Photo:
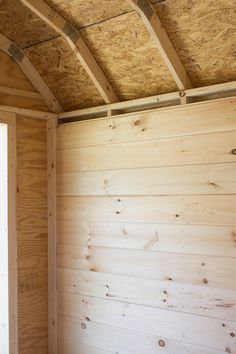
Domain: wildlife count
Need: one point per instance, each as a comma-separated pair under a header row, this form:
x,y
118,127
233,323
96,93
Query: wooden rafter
x,y
77,44
27,67
154,26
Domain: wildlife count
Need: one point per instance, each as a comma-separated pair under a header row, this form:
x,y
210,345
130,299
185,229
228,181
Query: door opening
x,y
4,260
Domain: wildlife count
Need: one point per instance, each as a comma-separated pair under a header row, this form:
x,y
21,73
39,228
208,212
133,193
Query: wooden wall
x,y
31,139
147,232
32,235
15,88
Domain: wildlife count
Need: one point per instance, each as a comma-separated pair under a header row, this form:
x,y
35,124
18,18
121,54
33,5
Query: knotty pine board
x,y
190,239
146,217
186,150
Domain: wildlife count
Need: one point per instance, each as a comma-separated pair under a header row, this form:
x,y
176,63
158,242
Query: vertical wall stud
x,y
52,241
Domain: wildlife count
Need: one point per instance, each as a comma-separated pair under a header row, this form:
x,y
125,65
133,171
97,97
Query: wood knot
x,y
137,122
232,334
205,281
161,343
83,325
233,152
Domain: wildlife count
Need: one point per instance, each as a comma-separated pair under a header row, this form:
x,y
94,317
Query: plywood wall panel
x,y
11,76
146,232
32,235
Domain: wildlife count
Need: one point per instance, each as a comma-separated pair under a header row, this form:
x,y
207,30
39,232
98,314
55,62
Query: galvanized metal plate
x,y
71,32
16,52
146,8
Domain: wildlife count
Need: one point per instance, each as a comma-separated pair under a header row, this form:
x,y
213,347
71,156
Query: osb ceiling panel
x,y
64,75
124,50
21,26
83,13
204,34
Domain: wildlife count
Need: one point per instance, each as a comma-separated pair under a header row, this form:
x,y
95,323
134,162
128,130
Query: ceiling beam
x,y
32,74
154,26
77,44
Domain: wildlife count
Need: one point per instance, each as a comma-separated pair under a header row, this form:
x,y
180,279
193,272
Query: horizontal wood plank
x,y
122,341
205,117
191,269
209,210
196,179
187,298
194,239
198,149
158,322
66,346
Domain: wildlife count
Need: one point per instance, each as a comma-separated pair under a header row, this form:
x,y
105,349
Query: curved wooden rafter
x,y
158,33
11,49
77,44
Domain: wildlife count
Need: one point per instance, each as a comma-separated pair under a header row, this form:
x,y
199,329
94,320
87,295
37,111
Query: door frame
x,y
10,119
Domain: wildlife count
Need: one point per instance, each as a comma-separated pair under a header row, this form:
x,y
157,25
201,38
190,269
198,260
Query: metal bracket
x,y
71,32
16,52
146,8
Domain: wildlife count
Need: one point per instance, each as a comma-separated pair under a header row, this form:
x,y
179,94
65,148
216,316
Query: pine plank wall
x,y
31,140
146,232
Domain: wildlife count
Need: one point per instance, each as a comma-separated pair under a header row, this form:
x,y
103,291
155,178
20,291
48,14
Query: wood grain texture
x,y
175,180
11,76
187,150
189,239
154,321
191,269
146,232
167,294
207,210
32,235
122,340
198,118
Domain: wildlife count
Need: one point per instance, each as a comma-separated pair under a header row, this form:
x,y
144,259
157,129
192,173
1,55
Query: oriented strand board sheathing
x,y
83,13
63,73
125,51
204,35
21,26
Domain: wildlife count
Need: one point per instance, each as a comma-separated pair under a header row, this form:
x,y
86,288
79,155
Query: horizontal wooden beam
x,y
172,98
28,113
27,67
20,93
77,44
158,33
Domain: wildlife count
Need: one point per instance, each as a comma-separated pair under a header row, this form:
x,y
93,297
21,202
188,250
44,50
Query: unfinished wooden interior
x,y
121,120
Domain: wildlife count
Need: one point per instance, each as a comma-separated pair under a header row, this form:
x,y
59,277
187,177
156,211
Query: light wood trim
x,y
154,26
28,113
21,93
52,239
77,44
27,67
10,120
172,98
